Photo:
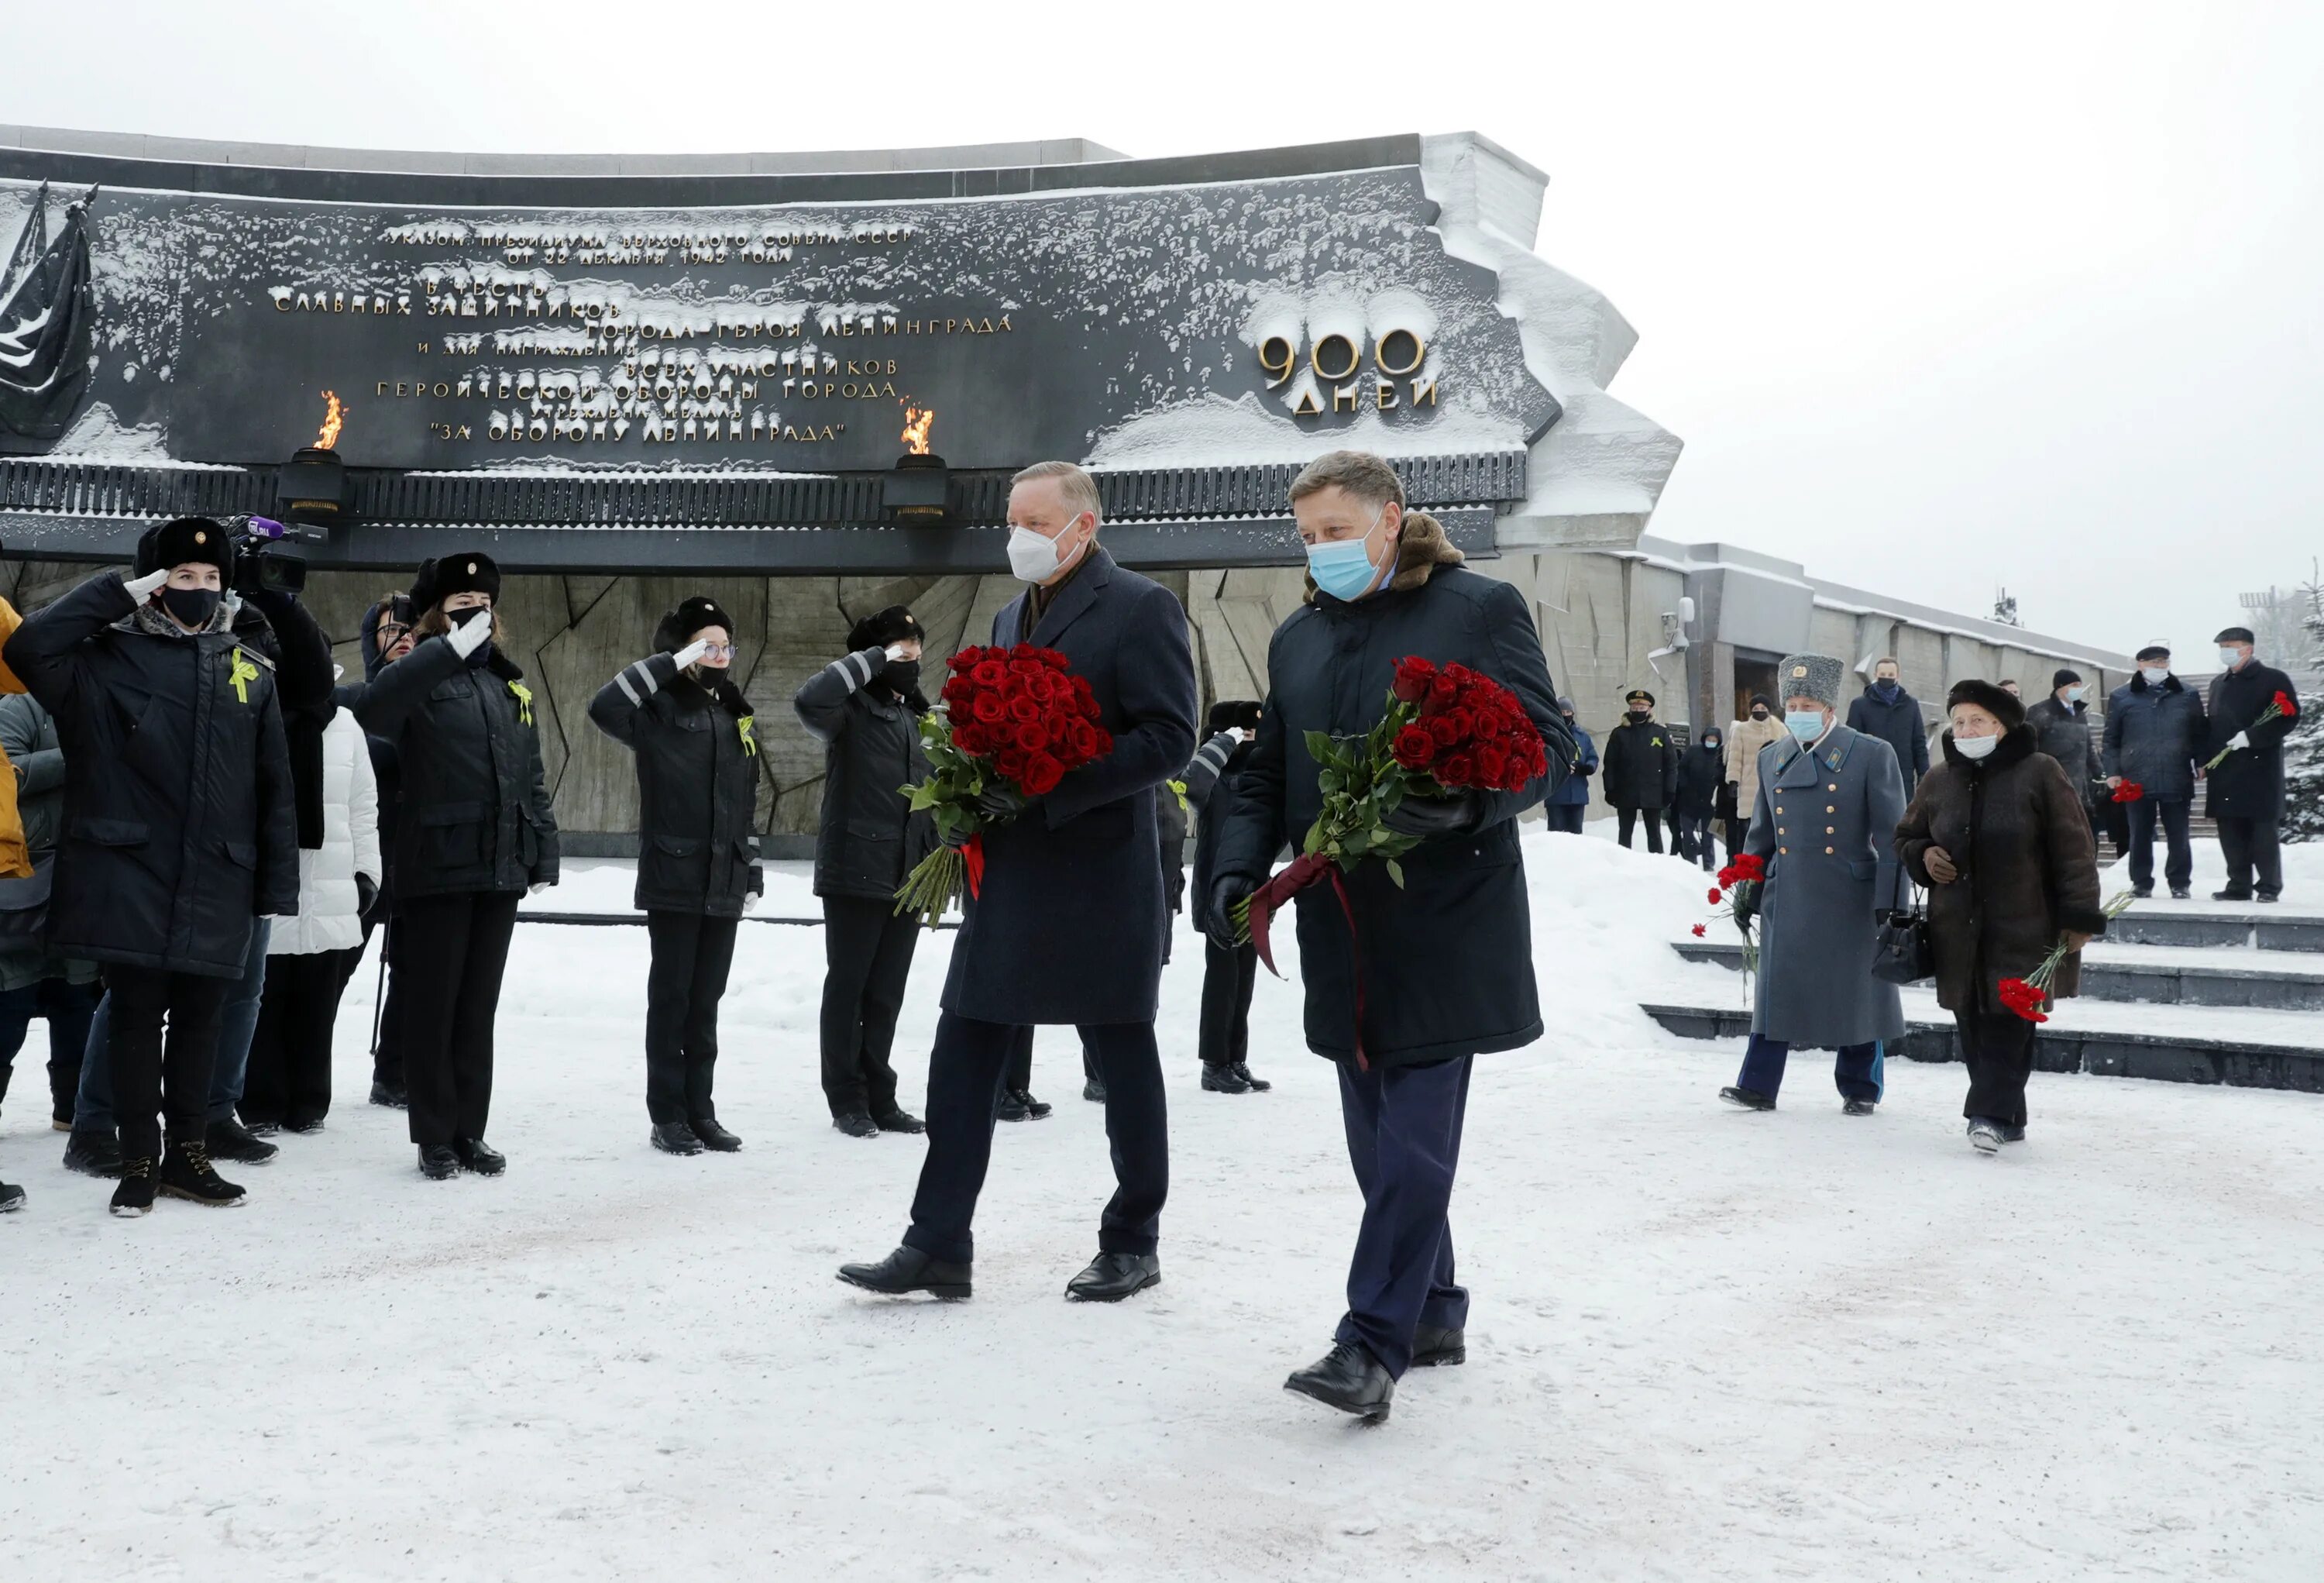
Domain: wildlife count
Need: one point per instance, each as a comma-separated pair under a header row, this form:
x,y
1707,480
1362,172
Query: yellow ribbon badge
x,y
242,675
1179,789
523,701
750,743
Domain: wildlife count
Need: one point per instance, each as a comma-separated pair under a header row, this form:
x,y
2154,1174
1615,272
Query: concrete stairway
x,y
2202,994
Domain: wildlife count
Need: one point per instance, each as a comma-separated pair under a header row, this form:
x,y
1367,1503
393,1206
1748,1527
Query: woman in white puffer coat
x,y
310,956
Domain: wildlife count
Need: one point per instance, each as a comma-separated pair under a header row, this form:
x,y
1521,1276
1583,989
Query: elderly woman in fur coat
x,y
1996,833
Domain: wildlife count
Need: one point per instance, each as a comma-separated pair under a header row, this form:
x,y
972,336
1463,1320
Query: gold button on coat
x,y
1826,851
1829,831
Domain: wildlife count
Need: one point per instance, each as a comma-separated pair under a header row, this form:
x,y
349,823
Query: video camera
x,y
262,563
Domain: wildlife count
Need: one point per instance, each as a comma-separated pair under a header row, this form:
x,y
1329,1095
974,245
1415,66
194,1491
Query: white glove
x,y
894,651
141,588
750,902
537,886
2238,740
690,653
469,634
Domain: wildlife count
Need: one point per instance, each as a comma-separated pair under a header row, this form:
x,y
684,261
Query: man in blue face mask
x,y
1829,801
1447,957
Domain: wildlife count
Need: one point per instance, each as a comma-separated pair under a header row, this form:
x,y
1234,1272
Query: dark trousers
x,y
1227,980
68,1008
289,1077
2179,868
867,955
152,1079
1695,840
2111,820
1999,1050
1628,816
387,1046
1858,1070
691,955
1565,817
966,1069
2250,846
450,957
1677,831
1404,1140
1737,830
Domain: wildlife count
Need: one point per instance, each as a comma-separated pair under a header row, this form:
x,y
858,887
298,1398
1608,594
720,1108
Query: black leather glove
x,y
366,894
1745,901
956,837
1219,921
1430,818
999,805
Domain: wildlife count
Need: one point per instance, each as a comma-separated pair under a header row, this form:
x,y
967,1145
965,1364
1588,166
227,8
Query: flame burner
x,y
918,491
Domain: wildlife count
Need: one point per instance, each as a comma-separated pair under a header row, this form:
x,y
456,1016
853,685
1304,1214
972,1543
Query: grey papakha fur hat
x,y
1815,676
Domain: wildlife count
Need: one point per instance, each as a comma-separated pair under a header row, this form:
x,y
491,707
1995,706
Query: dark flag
x,y
48,313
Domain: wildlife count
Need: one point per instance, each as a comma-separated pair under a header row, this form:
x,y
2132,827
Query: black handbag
x,y
25,903
1902,952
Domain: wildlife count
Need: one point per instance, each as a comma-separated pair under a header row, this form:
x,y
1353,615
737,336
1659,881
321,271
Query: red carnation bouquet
x,y
2128,791
1446,731
2279,708
1745,870
1018,719
2027,996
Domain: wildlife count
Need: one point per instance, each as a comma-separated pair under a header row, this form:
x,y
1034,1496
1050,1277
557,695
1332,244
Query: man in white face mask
x,y
1068,924
2155,737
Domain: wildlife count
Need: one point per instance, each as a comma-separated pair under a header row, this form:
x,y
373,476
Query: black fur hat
x,y
1234,714
693,613
891,625
2002,706
471,572
183,539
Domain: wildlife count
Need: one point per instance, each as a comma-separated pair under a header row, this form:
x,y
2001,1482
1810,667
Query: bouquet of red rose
x,y
2027,995
2279,708
1007,719
1445,731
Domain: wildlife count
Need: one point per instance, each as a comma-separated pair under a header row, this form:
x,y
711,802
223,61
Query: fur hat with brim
x,y
2002,706
1234,714
181,540
1809,676
470,572
1637,694
891,625
677,628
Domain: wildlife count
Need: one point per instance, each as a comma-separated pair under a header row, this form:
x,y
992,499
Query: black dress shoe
x,y
1434,1346
1859,1107
899,1121
231,1142
388,1098
2140,893
93,1153
1094,1091
1257,1084
856,1124
438,1162
716,1138
1111,1277
1034,1109
1010,1108
479,1156
908,1270
2268,898
306,1124
2231,895
1220,1078
1349,1378
674,1137
1746,1099
2182,894
11,1196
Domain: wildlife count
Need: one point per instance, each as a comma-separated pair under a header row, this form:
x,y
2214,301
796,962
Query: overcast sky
x,y
1940,297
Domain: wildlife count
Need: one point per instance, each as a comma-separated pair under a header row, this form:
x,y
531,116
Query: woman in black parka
x,y
473,833
179,833
690,727
865,708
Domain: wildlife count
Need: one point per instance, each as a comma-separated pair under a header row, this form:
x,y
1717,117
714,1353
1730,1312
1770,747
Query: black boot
x,y
1010,1108
186,1174
93,1153
231,1141
1746,1099
899,1121
908,1270
1093,1090
1858,1106
674,1137
438,1162
1220,1078
716,1138
856,1124
1435,1347
1111,1277
134,1196
390,1096
1257,1086
305,1123
479,1156
12,1197
1349,1378
1034,1109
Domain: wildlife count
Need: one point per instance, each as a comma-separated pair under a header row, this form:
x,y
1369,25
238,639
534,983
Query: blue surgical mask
x,y
1807,725
1342,567
2075,695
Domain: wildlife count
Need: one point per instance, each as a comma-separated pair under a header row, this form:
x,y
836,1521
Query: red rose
x,y
1082,736
1415,747
1029,735
964,661
1011,761
1442,694
1493,764
1042,773
1105,741
987,708
972,739
1444,728
957,690
1023,652
1413,675
1022,708
1459,770
989,673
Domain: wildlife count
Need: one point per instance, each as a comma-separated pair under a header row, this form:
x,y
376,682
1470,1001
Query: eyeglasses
x,y
390,635
718,651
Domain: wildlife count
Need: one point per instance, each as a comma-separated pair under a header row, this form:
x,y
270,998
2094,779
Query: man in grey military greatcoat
x,y
1825,823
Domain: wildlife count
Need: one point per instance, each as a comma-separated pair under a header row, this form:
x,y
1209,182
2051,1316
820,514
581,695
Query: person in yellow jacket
x,y
14,863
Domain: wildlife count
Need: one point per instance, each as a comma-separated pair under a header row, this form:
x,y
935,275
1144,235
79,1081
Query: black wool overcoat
x,y
867,838
697,757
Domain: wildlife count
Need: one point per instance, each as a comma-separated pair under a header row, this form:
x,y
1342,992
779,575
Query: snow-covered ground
x,y
1705,1344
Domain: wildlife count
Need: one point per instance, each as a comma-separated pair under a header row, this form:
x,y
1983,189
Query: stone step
x,y
2187,923
2243,979
2162,1056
